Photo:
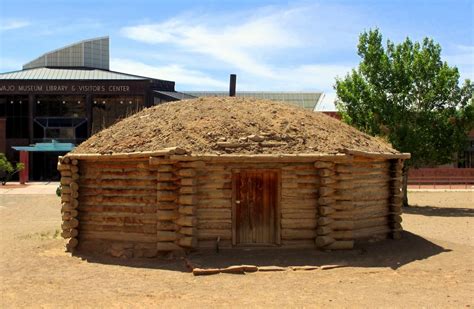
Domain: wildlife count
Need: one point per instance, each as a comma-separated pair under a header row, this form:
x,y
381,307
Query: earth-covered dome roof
x,y
217,125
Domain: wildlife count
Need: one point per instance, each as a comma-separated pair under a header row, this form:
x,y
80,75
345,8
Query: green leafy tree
x,y
7,170
406,94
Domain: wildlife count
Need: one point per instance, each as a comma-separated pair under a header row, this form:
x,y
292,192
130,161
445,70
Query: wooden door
x,y
255,207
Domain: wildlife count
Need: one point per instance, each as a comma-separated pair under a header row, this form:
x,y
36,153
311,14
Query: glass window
x,y
61,106
106,110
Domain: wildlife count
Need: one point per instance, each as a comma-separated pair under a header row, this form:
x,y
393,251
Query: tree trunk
x,y
405,186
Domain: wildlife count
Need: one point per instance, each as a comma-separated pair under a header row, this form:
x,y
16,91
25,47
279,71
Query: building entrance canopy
x,y
53,146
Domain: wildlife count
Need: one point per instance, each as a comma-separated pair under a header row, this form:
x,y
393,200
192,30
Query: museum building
x,y
61,98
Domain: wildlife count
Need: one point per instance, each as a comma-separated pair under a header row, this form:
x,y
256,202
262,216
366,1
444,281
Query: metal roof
x,y
68,74
307,100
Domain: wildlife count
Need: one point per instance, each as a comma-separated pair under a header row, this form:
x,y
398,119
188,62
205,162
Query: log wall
x,y
141,206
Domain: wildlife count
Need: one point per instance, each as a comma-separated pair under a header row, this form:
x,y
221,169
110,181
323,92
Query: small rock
x,y
238,269
222,139
250,268
256,138
205,271
271,268
304,268
326,267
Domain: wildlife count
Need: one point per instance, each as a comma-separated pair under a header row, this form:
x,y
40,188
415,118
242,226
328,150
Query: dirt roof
x,y
217,125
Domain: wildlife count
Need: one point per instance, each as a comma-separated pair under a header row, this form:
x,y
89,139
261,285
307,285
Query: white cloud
x,y
172,72
248,42
11,24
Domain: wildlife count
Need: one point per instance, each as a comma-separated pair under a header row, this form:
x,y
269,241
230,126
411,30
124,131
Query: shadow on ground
x,y
387,253
439,211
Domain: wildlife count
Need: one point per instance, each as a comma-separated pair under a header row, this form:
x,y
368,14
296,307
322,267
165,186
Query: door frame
x,y
234,171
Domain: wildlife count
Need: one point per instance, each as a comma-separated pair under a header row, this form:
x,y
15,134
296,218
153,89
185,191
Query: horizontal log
x,y
119,219
166,196
188,231
166,177
324,164
297,243
65,160
365,223
167,168
66,197
372,155
340,245
324,230
163,215
168,246
187,210
298,223
188,173
325,210
63,167
218,214
215,224
72,243
166,186
188,199
188,182
166,226
289,204
119,236
299,215
340,225
326,191
166,205
214,204
118,192
322,241
322,221
118,208
369,232
324,172
343,205
186,221
298,233
326,201
70,224
342,235
188,242
253,158
66,173
327,181
167,236
65,181
118,200
128,184
193,164
188,190
208,234
69,233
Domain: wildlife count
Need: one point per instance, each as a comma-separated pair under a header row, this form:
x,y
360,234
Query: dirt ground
x,y
432,266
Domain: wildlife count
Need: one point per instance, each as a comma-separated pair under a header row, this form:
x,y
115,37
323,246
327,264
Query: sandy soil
x,y
231,125
432,266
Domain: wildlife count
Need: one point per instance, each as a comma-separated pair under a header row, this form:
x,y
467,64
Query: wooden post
x,y
396,200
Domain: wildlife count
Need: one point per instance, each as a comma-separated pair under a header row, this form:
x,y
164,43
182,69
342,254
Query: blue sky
x,y
270,45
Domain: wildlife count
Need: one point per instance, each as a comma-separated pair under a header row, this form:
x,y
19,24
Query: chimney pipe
x,y
232,85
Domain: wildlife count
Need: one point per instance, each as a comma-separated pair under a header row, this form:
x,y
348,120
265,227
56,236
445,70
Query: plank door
x,y
255,207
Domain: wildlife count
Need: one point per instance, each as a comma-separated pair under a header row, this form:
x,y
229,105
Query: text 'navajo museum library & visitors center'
x,y
61,98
